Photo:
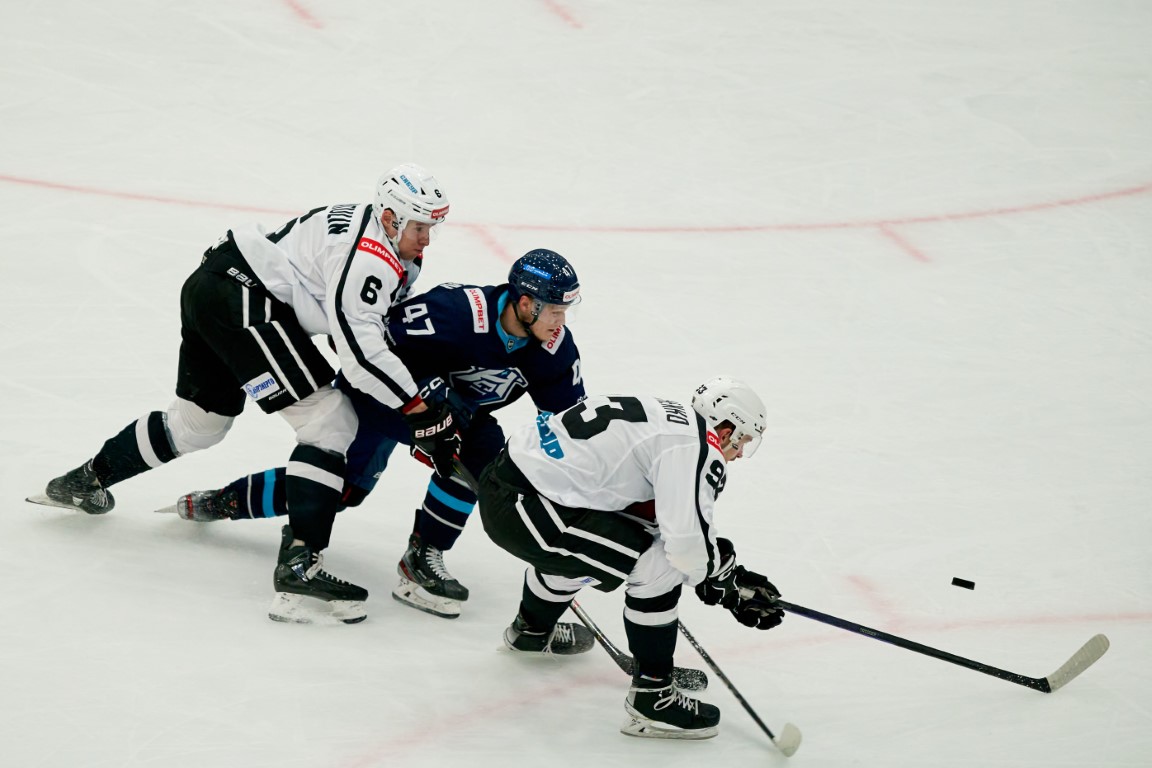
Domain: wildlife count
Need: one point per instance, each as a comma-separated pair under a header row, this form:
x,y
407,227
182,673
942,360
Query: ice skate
x,y
658,710
425,583
207,506
305,593
79,489
564,640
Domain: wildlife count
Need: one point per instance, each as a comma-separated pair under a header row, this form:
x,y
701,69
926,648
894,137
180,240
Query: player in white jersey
x,y
248,315
620,490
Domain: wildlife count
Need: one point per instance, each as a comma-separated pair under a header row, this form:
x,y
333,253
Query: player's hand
x,y
755,606
435,438
721,589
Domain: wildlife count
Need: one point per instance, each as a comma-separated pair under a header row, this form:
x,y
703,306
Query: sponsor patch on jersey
x,y
553,343
476,303
379,251
714,441
262,386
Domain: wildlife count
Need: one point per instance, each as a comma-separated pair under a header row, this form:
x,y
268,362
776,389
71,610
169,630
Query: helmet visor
x,y
748,442
422,231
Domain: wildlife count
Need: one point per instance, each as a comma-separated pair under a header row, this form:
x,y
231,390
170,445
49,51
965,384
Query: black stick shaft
x,y
724,678
1039,684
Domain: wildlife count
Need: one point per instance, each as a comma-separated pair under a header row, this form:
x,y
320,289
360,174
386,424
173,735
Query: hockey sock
x,y
652,644
444,513
262,494
542,604
142,445
312,486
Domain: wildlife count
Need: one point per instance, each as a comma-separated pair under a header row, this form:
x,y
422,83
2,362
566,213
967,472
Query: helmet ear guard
x,y
724,399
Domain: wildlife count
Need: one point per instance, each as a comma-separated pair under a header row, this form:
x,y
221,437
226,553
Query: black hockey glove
x,y
435,439
721,589
755,607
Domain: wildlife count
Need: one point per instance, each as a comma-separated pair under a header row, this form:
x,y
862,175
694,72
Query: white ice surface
x,y
923,230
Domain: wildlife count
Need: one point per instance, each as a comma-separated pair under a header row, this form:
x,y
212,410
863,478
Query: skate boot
x,y
79,489
425,583
208,506
658,710
305,593
564,640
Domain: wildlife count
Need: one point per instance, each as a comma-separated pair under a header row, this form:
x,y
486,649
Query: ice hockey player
x,y
477,349
248,314
660,466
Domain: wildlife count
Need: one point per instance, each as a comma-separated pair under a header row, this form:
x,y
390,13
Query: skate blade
x,y
300,609
45,501
644,728
412,594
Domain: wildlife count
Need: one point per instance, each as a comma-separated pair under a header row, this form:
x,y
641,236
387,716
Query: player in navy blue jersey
x,y
476,349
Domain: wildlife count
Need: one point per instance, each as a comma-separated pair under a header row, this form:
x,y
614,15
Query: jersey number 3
x,y
618,408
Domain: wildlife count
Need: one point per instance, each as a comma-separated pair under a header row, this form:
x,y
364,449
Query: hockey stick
x,y
789,739
688,679
1081,660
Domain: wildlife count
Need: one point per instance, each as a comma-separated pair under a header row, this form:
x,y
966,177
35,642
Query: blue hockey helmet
x,y
545,276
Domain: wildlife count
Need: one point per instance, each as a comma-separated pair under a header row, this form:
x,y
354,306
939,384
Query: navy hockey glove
x,y
755,606
435,439
721,589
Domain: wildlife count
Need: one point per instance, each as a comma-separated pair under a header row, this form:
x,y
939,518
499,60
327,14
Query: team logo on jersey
x,y
486,386
479,309
378,250
262,386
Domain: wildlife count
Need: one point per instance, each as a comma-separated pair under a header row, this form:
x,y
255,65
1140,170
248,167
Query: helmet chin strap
x,y
397,222
536,307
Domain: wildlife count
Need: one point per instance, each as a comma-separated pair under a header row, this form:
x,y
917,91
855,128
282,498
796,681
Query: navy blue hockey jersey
x,y
453,331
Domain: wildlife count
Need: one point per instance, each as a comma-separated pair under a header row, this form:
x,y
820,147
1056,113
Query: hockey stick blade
x,y
789,740
1088,654
685,678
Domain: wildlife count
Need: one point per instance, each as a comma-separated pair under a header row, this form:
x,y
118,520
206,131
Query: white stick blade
x,y
789,740
1080,661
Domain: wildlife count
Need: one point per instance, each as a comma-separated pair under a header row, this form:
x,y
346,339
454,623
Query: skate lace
x,y
435,560
317,569
671,696
563,635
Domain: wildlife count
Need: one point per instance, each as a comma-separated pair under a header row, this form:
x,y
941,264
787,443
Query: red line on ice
x,y
884,224
563,13
303,14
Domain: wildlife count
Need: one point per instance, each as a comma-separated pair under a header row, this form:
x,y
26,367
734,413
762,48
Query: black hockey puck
x,y
958,582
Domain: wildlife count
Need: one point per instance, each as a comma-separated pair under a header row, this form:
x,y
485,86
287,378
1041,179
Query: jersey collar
x,y
511,343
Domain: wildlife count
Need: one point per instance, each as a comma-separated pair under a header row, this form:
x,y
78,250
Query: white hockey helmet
x,y
726,399
412,194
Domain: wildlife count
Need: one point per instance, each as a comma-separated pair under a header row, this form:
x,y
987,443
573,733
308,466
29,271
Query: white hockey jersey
x,y
335,267
614,453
